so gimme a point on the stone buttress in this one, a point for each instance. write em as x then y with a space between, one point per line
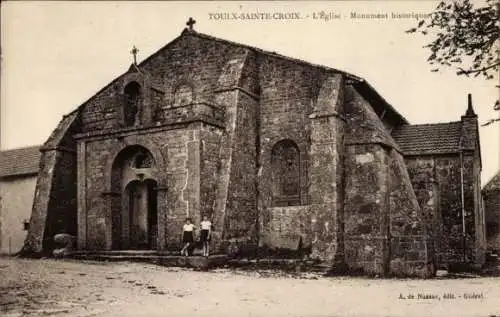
326 171
383 233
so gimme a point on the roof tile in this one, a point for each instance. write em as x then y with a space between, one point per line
20 161
425 139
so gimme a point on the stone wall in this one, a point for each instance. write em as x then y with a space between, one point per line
211 113
241 206
326 172
410 254
476 225
235 206
384 232
288 92
177 154
492 210
185 83
383 229
209 167
422 172
366 236
62 215
55 204
16 201
437 182
288 228
190 67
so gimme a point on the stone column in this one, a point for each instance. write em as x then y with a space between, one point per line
81 196
193 182
161 237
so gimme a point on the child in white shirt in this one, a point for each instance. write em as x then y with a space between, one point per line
187 236
206 230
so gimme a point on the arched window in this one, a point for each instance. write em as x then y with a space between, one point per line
132 94
285 162
183 96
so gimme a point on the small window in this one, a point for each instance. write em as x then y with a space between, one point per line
286 173
26 225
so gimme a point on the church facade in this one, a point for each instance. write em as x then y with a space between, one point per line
281 154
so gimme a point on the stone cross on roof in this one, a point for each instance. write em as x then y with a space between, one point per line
190 23
134 52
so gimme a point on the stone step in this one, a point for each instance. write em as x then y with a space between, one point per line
170 259
127 252
199 262
293 265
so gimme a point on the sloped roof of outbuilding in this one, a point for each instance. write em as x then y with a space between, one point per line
18 162
424 139
493 184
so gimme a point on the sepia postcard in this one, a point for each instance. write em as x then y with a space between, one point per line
257 158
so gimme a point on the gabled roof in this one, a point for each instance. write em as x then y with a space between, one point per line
426 139
493 184
359 83
22 161
363 87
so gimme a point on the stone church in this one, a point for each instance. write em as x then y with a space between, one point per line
281 154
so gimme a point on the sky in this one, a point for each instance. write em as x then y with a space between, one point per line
56 55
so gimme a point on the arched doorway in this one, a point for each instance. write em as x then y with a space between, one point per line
134 207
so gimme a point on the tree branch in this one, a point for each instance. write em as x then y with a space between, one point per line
490 122
472 71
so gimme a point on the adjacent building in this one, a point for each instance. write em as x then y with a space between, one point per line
18 175
491 196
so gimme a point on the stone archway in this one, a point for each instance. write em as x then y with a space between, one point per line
134 207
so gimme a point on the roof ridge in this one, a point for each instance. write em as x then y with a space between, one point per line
272 53
409 126
357 80
428 124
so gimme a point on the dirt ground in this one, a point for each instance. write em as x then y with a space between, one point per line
76 288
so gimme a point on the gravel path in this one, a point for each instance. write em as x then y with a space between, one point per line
71 288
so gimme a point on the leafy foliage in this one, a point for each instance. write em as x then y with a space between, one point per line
464 37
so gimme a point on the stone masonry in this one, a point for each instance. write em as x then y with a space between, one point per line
491 196
279 153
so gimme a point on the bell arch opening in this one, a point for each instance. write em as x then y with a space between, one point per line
132 94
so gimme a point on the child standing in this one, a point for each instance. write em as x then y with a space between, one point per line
187 236
206 230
